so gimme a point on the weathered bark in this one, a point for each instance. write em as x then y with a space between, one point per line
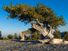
22 36
43 30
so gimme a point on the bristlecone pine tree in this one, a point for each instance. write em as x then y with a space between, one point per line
42 18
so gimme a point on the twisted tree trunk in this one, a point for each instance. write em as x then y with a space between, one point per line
43 30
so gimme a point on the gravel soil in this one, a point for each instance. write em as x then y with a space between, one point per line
8 45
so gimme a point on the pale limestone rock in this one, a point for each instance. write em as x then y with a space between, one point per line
65 42
57 41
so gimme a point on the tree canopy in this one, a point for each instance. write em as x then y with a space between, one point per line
28 14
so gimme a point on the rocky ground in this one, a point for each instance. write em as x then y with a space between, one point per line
8 45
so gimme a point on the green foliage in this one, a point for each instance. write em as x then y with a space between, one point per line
65 36
35 36
41 12
10 36
15 36
57 34
28 38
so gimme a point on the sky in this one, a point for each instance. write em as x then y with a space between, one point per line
10 26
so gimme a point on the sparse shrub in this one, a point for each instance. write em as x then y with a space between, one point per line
57 34
15 36
65 36
34 36
1 35
10 36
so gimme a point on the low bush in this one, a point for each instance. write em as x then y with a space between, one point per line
66 36
57 34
